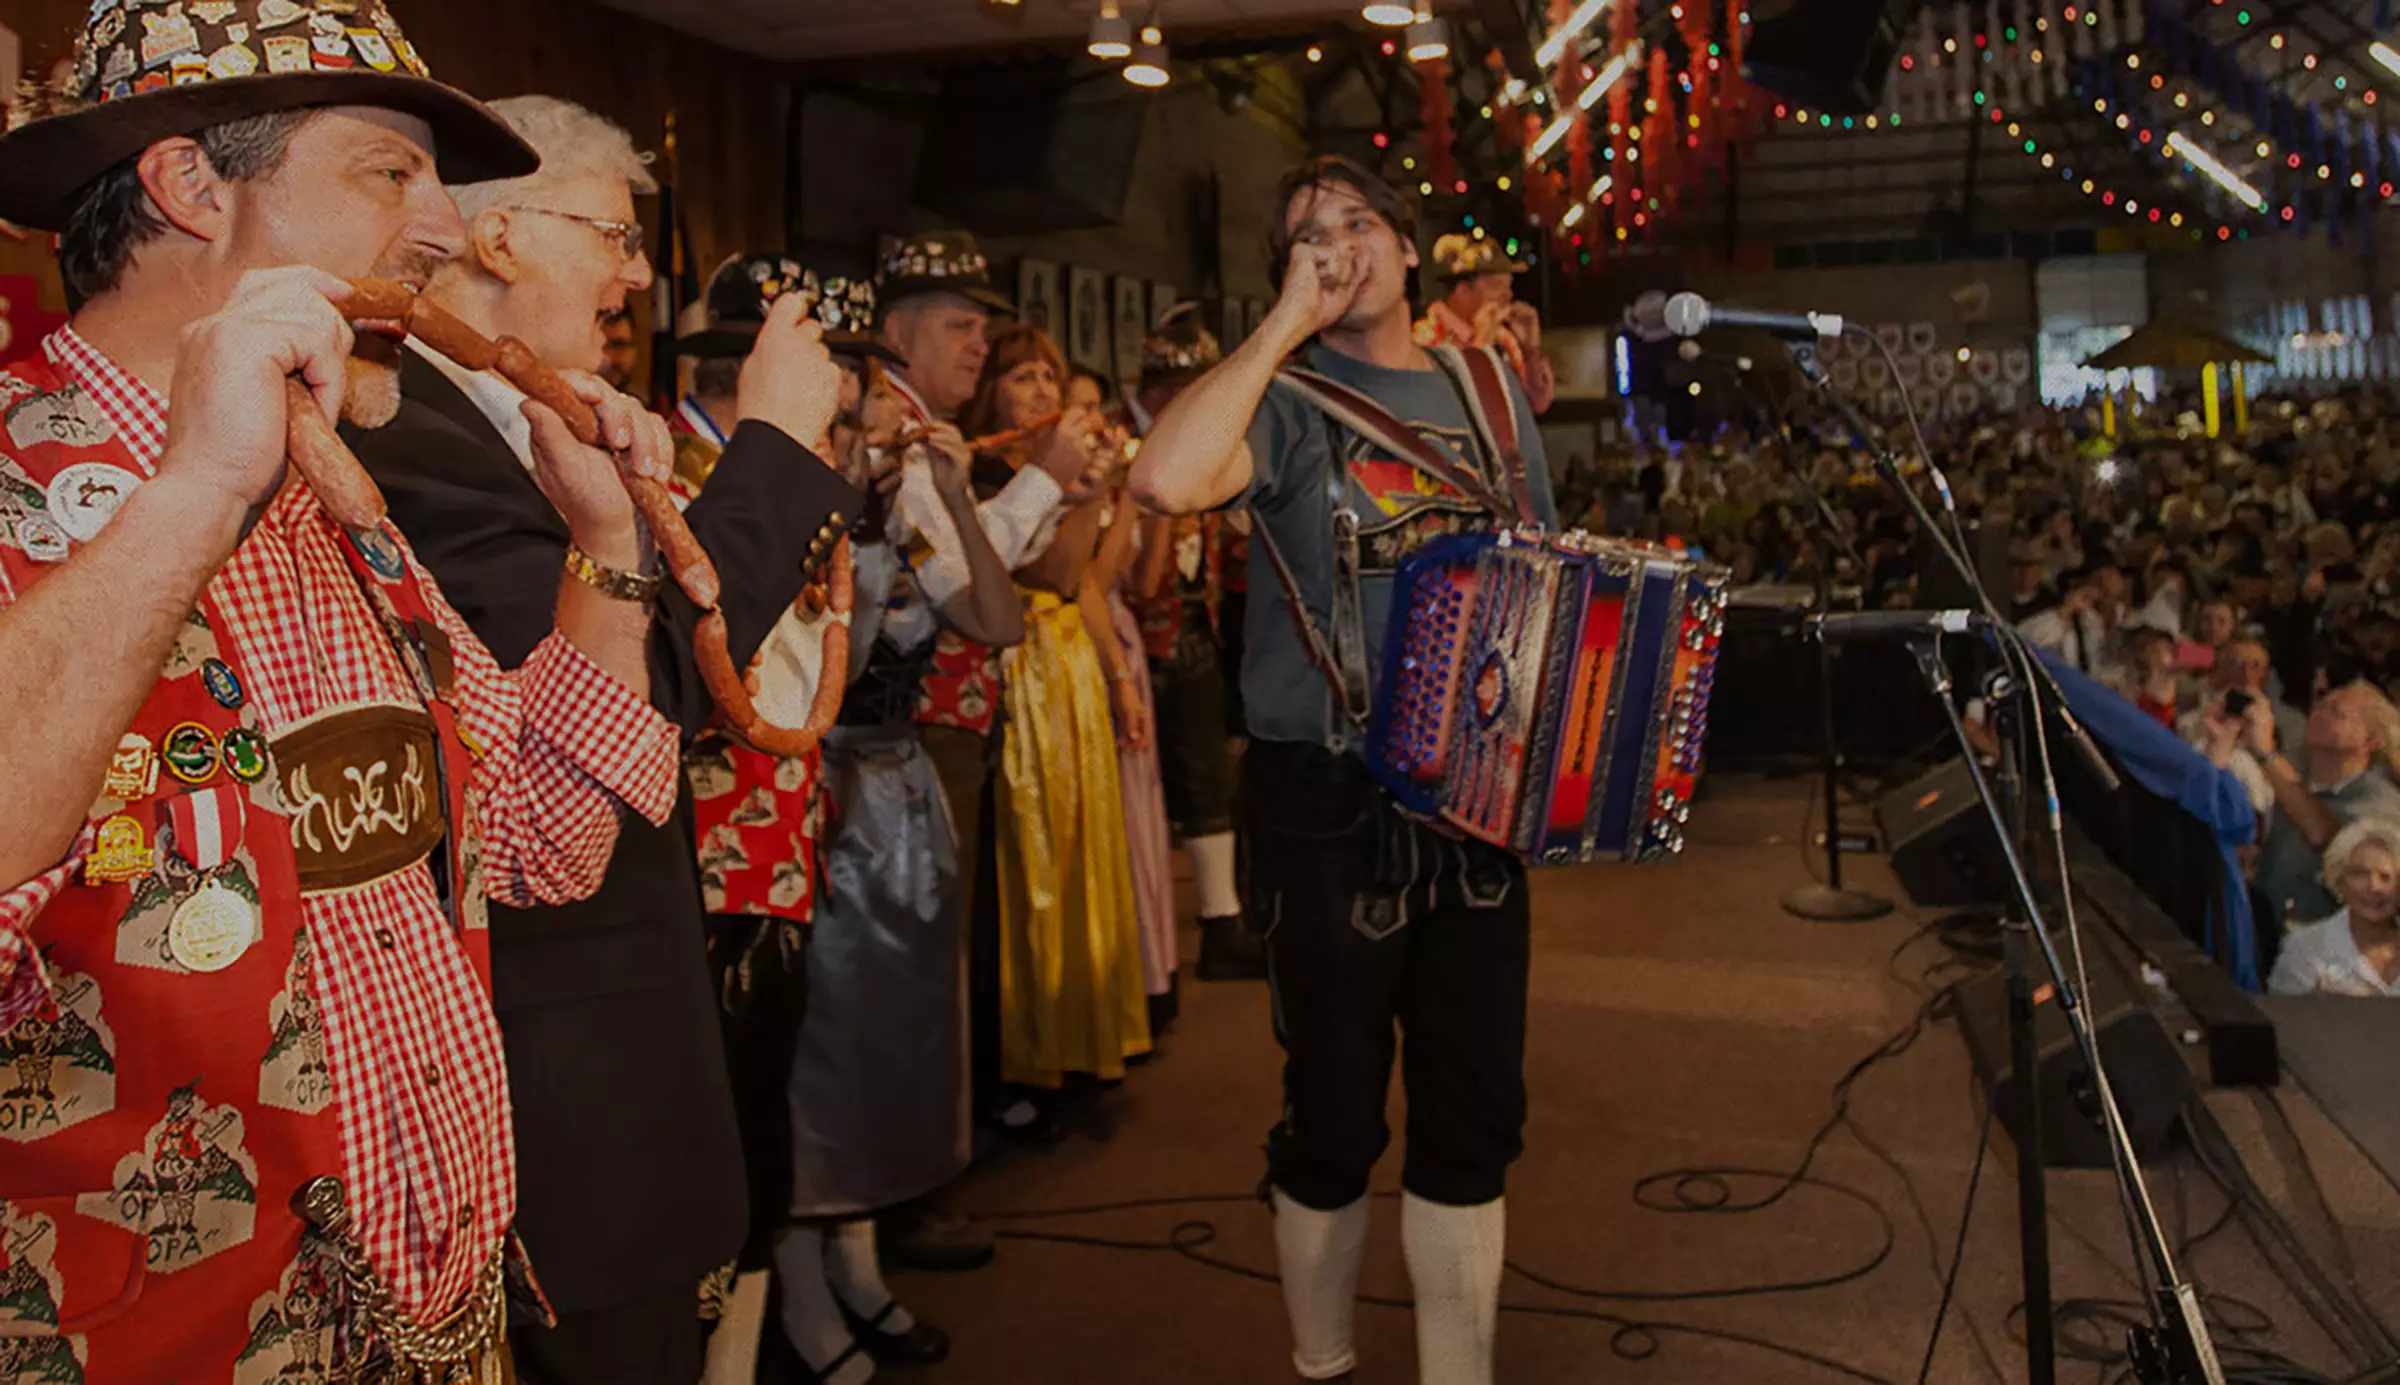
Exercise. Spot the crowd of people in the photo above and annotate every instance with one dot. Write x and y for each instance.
(536, 880)
(2243, 591)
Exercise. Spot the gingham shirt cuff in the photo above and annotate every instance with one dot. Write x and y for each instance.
(600, 726)
(23, 978)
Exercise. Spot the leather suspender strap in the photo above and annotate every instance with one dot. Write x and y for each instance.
(1342, 659)
(1493, 413)
(1370, 420)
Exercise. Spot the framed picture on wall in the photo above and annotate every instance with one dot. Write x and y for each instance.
(1232, 323)
(1037, 296)
(1087, 318)
(1128, 325)
(1163, 297)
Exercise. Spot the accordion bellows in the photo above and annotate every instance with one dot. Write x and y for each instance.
(1548, 693)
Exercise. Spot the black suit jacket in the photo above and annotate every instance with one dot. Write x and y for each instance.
(629, 1166)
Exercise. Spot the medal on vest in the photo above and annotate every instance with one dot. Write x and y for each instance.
(206, 826)
(132, 770)
(120, 852)
(211, 930)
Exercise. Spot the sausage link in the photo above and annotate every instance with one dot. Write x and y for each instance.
(332, 472)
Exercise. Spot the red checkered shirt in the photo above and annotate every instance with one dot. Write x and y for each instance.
(428, 1154)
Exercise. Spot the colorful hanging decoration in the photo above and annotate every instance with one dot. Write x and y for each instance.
(1433, 108)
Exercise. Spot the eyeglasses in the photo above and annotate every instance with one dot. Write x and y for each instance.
(628, 233)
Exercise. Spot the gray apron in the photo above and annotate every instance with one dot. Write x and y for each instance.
(879, 1078)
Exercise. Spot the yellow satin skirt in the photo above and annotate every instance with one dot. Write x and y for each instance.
(1070, 937)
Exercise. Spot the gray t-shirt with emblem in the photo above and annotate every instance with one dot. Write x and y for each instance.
(1293, 446)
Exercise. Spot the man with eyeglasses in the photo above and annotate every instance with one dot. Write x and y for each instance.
(627, 1146)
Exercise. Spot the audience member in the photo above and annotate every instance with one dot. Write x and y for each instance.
(2356, 952)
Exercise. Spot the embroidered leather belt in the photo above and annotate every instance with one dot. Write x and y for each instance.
(363, 787)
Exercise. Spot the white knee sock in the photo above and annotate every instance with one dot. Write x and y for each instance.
(1212, 875)
(811, 1318)
(733, 1347)
(1454, 1263)
(857, 1276)
(1319, 1253)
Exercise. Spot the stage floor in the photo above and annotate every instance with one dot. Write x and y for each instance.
(1678, 1018)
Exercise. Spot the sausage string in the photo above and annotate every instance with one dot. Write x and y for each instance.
(348, 494)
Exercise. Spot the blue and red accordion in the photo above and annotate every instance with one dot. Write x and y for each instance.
(1548, 693)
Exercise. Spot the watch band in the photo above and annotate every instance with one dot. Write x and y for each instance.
(614, 583)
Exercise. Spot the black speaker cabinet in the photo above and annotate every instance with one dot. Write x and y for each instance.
(1941, 842)
(1829, 55)
(2145, 1069)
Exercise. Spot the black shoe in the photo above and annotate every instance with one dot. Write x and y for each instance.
(1230, 952)
(930, 1241)
(1165, 1008)
(922, 1344)
(780, 1363)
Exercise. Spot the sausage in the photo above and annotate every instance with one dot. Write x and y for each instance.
(520, 367)
(686, 559)
(438, 328)
(350, 496)
(341, 485)
(379, 300)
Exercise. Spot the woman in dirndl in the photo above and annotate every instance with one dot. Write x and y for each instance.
(1072, 992)
(878, 1088)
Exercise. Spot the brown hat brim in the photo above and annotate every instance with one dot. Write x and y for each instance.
(45, 163)
(894, 291)
(736, 339)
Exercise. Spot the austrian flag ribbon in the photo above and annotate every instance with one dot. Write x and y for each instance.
(208, 824)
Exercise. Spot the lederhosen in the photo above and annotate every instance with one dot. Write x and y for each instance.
(171, 1142)
(1373, 918)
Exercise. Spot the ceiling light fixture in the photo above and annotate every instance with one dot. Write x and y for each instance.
(2216, 170)
(1428, 38)
(1112, 34)
(1388, 14)
(2384, 53)
(1148, 66)
(1555, 46)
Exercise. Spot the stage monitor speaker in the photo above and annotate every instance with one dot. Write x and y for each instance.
(2145, 1070)
(1941, 842)
(1827, 55)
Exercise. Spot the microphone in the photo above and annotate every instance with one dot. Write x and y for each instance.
(1876, 625)
(1688, 315)
(1646, 318)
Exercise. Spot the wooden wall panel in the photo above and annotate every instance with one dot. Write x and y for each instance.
(729, 107)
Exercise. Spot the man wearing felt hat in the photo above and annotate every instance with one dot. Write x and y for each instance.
(283, 1143)
(1479, 307)
(937, 302)
(607, 1005)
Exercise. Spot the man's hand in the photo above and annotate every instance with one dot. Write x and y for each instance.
(948, 458)
(1076, 455)
(1525, 324)
(226, 427)
(2258, 727)
(790, 380)
(1318, 286)
(586, 484)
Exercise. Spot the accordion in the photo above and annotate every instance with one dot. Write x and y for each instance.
(1548, 693)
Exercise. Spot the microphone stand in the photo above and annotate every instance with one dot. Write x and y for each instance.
(1826, 901)
(2174, 1347)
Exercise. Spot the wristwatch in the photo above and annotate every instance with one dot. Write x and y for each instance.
(614, 583)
